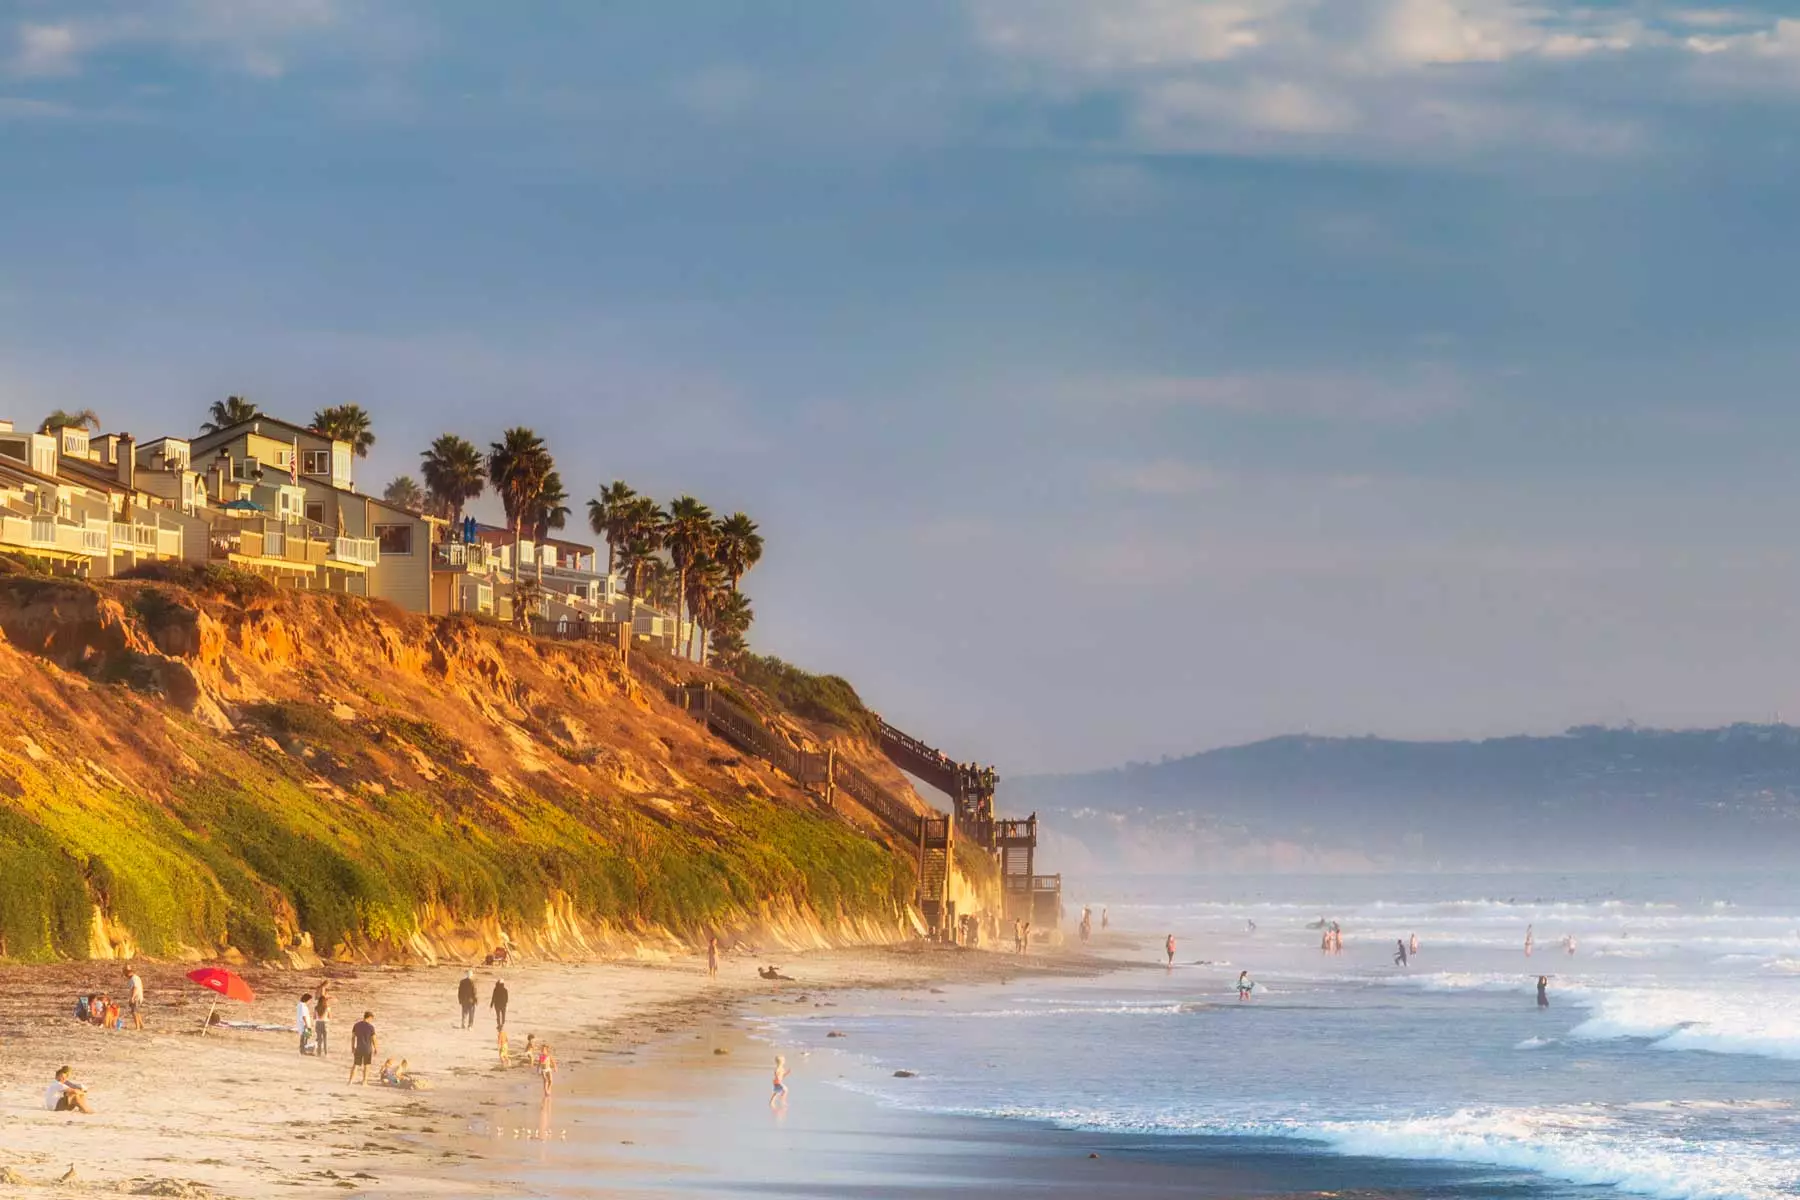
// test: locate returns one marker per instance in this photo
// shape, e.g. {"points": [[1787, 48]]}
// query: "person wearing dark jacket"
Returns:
{"points": [[497, 1002], [465, 996]]}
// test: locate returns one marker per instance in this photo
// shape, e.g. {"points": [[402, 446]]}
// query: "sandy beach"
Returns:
{"points": [[243, 1114]]}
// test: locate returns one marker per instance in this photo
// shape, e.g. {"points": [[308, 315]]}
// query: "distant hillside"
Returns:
{"points": [[1622, 797]]}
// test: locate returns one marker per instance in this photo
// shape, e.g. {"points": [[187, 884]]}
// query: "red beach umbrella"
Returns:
{"points": [[226, 984]]}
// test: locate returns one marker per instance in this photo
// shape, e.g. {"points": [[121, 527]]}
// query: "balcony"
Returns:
{"points": [[146, 539], [267, 541], [44, 531], [461, 556], [364, 552]]}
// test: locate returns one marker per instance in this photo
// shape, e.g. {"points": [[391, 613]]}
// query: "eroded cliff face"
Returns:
{"points": [[204, 766]]}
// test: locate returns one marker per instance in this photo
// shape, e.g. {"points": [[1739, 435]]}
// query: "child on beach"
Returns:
{"points": [[780, 1097], [546, 1067]]}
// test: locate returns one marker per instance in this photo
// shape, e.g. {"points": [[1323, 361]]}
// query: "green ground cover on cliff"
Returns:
{"points": [[349, 827]]}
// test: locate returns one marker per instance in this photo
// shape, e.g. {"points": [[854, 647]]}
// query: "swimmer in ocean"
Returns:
{"points": [[1543, 991]]}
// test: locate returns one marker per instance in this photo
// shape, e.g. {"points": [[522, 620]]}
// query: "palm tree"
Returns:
{"points": [[739, 548], [518, 467], [641, 524], [731, 621], [552, 509], [405, 492], [609, 517], [452, 471], [706, 585], [346, 423], [62, 418], [689, 538], [233, 410]]}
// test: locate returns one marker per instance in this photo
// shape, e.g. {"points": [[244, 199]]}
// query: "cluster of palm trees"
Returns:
{"points": [[707, 557], [681, 558]]}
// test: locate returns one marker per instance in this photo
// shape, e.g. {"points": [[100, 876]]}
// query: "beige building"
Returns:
{"points": [[71, 501], [301, 479]]}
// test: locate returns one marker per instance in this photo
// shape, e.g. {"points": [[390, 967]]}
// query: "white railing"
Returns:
{"points": [[44, 531], [127, 536], [364, 551]]}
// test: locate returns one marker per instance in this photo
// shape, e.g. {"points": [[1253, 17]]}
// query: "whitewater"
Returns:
{"points": [[1664, 1067]]}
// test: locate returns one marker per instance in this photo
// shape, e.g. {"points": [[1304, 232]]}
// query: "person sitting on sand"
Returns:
{"points": [[388, 1074], [65, 1095], [773, 972]]}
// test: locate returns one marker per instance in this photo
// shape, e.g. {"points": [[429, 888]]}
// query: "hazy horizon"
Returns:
{"points": [[1111, 378]]}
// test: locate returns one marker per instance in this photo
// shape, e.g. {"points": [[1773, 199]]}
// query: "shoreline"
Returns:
{"points": [[685, 1113], [242, 1114]]}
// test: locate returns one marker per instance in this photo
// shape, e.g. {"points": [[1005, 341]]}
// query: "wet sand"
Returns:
{"points": [[242, 1113], [689, 1115]]}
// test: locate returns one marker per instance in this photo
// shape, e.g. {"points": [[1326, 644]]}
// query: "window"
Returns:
{"points": [[394, 539], [245, 469], [315, 511], [315, 462]]}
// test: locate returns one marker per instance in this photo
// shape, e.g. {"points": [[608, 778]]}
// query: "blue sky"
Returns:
{"points": [[1112, 378]]}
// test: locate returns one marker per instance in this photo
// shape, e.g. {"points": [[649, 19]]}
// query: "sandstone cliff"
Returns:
{"points": [[200, 765]]}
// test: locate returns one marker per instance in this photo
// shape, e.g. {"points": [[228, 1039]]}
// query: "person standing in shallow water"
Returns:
{"points": [[1169, 949], [1543, 991]]}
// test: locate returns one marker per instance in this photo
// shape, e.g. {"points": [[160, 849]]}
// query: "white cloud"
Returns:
{"points": [[1390, 78], [251, 36]]}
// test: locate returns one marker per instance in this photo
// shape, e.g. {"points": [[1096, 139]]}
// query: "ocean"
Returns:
{"points": [[1664, 1067]]}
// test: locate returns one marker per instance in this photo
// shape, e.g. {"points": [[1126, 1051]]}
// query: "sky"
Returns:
{"points": [[1111, 378]]}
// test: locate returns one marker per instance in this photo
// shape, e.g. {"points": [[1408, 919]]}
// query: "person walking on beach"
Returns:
{"points": [[1399, 953], [467, 998], [1025, 942], [303, 1022], [1543, 991], [712, 956], [1104, 919], [1246, 985], [1529, 941], [497, 1002], [1169, 948], [1414, 946], [322, 1019], [135, 997], [778, 1100], [363, 1044]]}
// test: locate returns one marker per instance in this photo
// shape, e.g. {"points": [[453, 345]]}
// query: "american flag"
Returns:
{"points": [[294, 464]]}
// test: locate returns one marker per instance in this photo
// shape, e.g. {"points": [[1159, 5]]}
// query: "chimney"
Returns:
{"points": [[125, 447]]}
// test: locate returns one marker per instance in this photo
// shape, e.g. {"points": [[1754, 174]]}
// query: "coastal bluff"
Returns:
{"points": [[198, 765]]}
